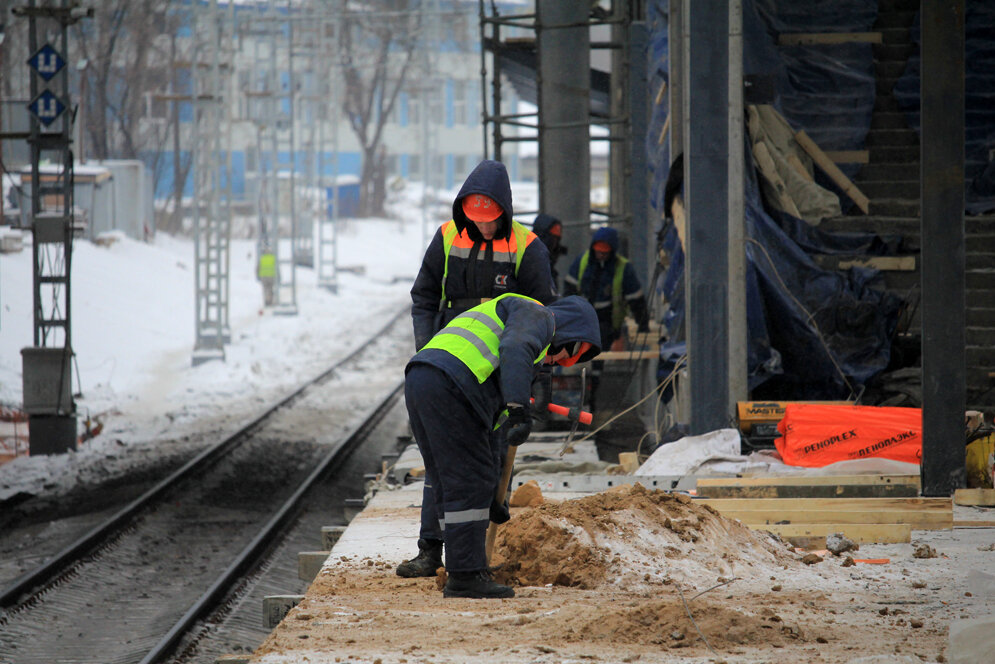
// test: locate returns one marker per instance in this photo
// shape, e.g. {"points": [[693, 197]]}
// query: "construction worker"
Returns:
{"points": [[266, 273], [549, 229], [481, 253], [609, 282], [468, 385]]}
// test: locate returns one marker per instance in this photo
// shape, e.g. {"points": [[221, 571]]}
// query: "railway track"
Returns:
{"points": [[139, 585]]}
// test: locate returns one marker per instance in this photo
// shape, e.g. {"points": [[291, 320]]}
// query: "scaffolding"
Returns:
{"points": [[270, 102], [326, 88], [550, 68], [210, 43]]}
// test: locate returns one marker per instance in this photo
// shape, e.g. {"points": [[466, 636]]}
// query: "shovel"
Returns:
{"points": [[509, 464]]}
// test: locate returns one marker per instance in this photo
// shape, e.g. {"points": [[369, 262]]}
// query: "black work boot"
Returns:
{"points": [[428, 560], [476, 584]]}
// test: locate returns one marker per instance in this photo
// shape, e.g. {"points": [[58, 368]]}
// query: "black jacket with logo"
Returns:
{"points": [[477, 275]]}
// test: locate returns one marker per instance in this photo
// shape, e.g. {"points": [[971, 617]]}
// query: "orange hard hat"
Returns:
{"points": [[478, 207], [602, 246]]}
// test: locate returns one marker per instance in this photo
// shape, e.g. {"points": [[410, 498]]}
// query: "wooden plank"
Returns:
{"points": [[849, 156], [766, 163], [809, 480], [862, 533], [834, 173], [623, 355], [797, 164], [980, 497], [812, 491], [916, 519], [892, 263], [974, 524], [842, 504], [805, 38]]}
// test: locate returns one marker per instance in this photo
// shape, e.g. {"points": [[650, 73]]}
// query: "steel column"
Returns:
{"points": [[943, 267], [706, 149]]}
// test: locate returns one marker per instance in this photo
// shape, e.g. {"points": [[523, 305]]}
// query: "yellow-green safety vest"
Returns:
{"points": [[619, 306], [473, 337], [267, 266]]}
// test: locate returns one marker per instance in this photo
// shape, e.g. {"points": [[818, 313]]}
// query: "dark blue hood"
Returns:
{"points": [[491, 179], [575, 320], [542, 225], [606, 234]]}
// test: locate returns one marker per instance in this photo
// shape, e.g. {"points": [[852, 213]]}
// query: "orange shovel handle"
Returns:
{"points": [[582, 416]]}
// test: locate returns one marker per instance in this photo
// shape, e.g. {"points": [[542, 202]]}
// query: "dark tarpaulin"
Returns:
{"points": [[813, 333], [827, 91], [979, 101]]}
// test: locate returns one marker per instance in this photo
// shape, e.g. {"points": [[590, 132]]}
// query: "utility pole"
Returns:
{"points": [[46, 368]]}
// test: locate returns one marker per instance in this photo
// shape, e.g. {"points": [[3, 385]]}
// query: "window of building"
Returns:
{"points": [[459, 102]]}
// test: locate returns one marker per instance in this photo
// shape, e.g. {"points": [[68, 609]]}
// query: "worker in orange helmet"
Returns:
{"points": [[478, 255], [609, 282]]}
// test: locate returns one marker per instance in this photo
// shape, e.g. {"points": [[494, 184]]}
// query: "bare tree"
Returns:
{"points": [[376, 48], [122, 47]]}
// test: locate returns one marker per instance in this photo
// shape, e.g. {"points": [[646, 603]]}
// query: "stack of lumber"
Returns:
{"points": [[803, 510]]}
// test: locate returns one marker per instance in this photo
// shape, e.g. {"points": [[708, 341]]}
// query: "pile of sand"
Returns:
{"points": [[632, 537]]}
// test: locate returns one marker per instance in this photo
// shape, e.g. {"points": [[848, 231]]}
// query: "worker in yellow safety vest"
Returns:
{"points": [[480, 254], [466, 391], [266, 273]]}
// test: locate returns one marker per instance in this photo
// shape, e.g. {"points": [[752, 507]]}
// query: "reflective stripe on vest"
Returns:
{"points": [[619, 306], [474, 336], [460, 245]]}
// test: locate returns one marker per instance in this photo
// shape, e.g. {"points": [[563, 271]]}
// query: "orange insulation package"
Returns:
{"points": [[815, 435]]}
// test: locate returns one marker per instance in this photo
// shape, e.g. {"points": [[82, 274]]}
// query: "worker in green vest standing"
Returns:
{"points": [[266, 273], [467, 389], [609, 283]]}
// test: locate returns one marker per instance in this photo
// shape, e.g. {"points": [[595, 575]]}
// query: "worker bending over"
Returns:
{"points": [[479, 254], [470, 381]]}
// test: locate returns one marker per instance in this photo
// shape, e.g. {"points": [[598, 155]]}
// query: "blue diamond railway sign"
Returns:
{"points": [[47, 62], [46, 107]]}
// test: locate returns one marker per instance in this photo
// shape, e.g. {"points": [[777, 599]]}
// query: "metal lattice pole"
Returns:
{"points": [[47, 375]]}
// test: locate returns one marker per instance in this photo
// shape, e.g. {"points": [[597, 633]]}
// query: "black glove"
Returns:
{"points": [[500, 512], [519, 424]]}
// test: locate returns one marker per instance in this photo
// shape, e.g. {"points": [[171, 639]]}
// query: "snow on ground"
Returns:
{"points": [[133, 336]]}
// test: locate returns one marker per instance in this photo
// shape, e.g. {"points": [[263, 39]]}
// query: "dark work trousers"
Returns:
{"points": [[461, 463]]}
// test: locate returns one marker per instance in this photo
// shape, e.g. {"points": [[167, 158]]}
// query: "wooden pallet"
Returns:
{"points": [[830, 486]]}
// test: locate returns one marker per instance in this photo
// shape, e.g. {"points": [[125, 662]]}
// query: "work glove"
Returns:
{"points": [[519, 424], [500, 512]]}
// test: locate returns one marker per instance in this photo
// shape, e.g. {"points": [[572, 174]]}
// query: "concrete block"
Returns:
{"points": [[309, 564], [971, 641], [275, 608], [330, 535]]}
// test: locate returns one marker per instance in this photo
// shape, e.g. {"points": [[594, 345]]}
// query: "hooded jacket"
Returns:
{"points": [[476, 271], [529, 328], [597, 284], [542, 227]]}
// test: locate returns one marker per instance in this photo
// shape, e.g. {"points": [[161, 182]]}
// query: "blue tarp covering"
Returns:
{"points": [[979, 100], [827, 90], [812, 333]]}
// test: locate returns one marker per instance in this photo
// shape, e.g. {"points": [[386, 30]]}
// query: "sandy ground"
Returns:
{"points": [[637, 576]]}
